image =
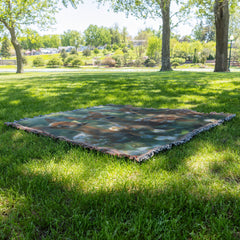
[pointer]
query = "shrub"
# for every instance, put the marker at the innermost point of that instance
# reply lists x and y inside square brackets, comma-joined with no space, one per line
[97,62]
[131,46]
[68,60]
[109,61]
[76,62]
[119,60]
[24,60]
[38,62]
[74,51]
[63,54]
[150,62]
[115,46]
[96,50]
[105,52]
[203,59]
[178,60]
[109,48]
[54,62]
[86,52]
[118,52]
[73,61]
[175,64]
[211,57]
[138,62]
[125,50]
[126,59]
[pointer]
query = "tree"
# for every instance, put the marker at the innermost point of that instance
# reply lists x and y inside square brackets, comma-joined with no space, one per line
[165,9]
[124,35]
[31,41]
[205,32]
[144,9]
[72,38]
[221,10]
[97,36]
[154,48]
[51,41]
[115,35]
[144,35]
[5,50]
[15,15]
[234,25]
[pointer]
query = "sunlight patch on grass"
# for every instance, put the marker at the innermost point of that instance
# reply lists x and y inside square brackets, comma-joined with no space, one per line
[5,207]
[15,102]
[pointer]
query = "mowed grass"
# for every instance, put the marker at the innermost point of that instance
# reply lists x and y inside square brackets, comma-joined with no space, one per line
[53,190]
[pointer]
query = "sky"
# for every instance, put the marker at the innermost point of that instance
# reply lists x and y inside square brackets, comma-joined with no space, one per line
[88,13]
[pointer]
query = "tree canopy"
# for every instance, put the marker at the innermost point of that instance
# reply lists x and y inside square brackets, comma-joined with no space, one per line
[17,15]
[97,36]
[5,49]
[71,38]
[145,9]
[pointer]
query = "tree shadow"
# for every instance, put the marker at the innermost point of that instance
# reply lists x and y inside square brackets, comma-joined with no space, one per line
[51,209]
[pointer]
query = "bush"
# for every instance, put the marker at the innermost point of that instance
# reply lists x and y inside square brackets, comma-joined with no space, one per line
[96,50]
[73,61]
[131,46]
[86,52]
[118,52]
[150,62]
[126,59]
[178,60]
[119,60]
[97,62]
[38,62]
[105,52]
[109,61]
[180,54]
[109,48]
[115,46]
[76,62]
[54,62]
[74,51]
[125,50]
[68,60]
[203,59]
[175,64]
[24,60]
[130,63]
[138,62]
[63,54]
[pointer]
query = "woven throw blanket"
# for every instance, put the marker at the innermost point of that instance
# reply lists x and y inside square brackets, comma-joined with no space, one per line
[123,130]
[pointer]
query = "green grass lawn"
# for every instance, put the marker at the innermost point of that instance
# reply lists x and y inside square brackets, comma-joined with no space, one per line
[53,190]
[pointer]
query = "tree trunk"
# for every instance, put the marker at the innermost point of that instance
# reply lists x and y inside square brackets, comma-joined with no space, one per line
[221,12]
[17,48]
[165,8]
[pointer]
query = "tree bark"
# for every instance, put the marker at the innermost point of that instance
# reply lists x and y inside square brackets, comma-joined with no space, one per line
[165,8]
[17,48]
[221,12]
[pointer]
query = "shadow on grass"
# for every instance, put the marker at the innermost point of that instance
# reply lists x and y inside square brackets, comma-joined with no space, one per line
[43,205]
[110,198]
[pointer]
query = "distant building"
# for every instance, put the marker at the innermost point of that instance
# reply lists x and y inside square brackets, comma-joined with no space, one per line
[82,48]
[33,52]
[137,43]
[67,48]
[48,50]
